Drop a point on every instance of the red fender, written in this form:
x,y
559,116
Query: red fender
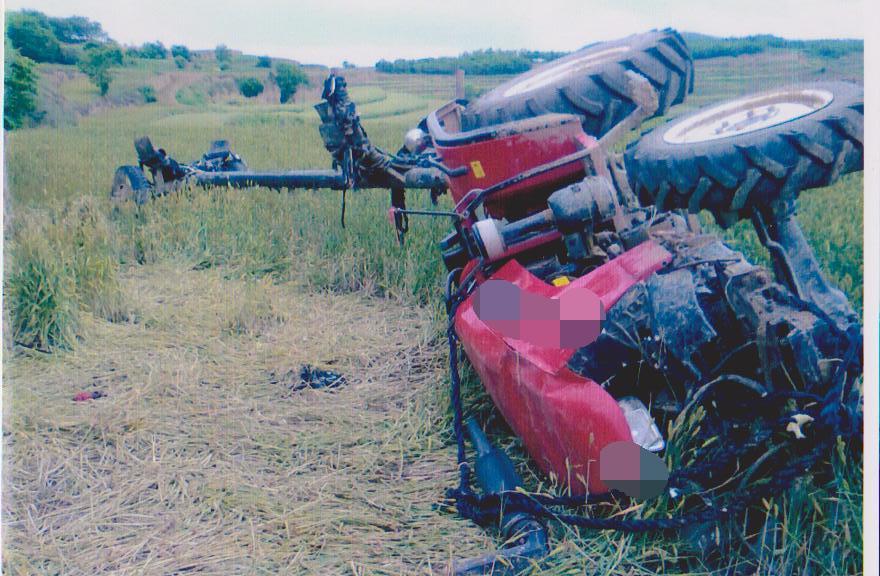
x,y
563,418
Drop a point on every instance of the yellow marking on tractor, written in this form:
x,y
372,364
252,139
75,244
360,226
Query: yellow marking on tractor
x,y
477,169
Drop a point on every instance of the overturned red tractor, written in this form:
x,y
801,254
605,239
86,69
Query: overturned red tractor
x,y
543,202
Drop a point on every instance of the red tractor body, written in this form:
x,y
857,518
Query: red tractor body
x,y
489,156
564,419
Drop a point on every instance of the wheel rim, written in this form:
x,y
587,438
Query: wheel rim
x,y
553,73
748,115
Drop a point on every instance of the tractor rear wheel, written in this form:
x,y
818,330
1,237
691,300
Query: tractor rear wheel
x,y
750,152
591,83
129,183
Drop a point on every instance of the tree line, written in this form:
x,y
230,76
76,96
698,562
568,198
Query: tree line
x,y
704,47
478,62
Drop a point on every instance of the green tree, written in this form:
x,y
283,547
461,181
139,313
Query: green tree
x,y
181,51
77,30
264,62
250,87
31,34
20,90
153,51
149,93
289,77
477,62
96,61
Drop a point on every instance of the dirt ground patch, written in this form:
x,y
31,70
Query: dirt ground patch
x,y
200,459
167,85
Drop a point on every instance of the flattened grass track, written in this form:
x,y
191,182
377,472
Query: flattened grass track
x,y
201,458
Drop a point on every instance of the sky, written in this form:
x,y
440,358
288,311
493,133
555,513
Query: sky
x,y
331,31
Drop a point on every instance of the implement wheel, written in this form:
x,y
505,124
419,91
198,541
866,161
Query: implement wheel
x,y
129,183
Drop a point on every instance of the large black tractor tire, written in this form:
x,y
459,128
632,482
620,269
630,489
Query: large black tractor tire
x,y
591,83
726,161
129,183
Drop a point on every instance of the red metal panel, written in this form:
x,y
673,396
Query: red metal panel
x,y
563,418
491,161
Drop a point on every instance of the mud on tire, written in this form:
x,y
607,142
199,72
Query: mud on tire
x,y
697,162
591,83
710,312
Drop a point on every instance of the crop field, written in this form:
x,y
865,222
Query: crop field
x,y
194,315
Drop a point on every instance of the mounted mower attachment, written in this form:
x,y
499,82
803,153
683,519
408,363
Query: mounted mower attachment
x,y
357,163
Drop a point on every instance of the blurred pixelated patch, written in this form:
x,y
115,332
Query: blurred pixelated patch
x,y
636,472
570,320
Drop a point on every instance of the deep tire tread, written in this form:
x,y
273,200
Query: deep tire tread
x,y
811,148
763,162
741,196
583,106
600,98
729,177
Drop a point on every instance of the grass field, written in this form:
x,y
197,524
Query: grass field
x,y
194,314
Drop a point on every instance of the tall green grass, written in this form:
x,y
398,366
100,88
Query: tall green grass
x,y
254,233
40,294
62,263
85,242
299,239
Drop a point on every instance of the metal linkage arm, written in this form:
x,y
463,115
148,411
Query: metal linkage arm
x,y
332,179
795,263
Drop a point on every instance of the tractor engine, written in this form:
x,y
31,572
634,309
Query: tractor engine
x,y
585,225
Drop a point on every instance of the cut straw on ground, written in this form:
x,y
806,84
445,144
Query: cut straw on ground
x,y
200,457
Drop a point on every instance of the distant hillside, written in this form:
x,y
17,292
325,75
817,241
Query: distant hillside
x,y
55,67
59,69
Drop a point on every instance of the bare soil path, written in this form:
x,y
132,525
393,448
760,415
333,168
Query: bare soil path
x,y
167,85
